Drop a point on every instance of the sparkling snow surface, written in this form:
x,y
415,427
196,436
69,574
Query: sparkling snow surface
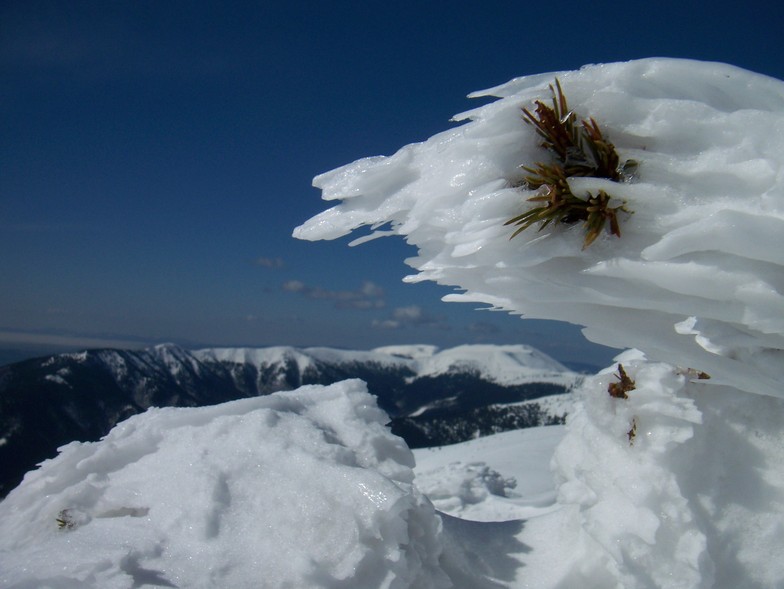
x,y
680,485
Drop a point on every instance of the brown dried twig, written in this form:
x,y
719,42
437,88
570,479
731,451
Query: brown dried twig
x,y
619,389
580,150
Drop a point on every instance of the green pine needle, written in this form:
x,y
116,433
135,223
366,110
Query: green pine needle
x,y
579,149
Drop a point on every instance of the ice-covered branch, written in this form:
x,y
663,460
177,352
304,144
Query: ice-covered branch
x,y
697,277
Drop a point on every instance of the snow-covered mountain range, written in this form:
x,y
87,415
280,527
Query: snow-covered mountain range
x,y
433,396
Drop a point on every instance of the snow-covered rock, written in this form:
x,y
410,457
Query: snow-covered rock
x,y
299,489
676,486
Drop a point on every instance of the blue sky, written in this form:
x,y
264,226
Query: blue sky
x,y
155,156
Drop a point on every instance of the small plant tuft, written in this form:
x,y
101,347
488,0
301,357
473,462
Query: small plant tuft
x,y
693,373
65,520
625,384
632,433
580,149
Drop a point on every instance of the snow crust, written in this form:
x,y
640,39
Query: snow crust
x,y
301,489
677,486
502,477
697,272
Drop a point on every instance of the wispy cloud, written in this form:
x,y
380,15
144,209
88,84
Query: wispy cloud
x,y
265,262
482,329
368,296
410,316
67,340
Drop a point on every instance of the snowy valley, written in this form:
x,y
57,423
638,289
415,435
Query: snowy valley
x,y
661,477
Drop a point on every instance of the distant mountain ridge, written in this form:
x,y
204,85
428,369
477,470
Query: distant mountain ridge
x,y
506,365
429,393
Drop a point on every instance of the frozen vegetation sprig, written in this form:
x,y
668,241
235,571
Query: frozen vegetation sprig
x,y
625,384
580,150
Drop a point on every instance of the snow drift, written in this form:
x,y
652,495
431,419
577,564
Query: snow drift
x,y
302,489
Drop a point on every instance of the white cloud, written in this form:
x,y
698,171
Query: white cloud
x,y
265,262
294,286
368,296
410,316
385,324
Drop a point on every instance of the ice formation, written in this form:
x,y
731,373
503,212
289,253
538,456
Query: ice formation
x,y
681,484
697,273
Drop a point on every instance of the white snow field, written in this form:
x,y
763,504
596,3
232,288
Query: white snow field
x,y
680,485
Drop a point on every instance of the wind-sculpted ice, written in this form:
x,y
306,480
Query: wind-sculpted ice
x,y
697,275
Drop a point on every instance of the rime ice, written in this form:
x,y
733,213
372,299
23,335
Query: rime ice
x,y
702,244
